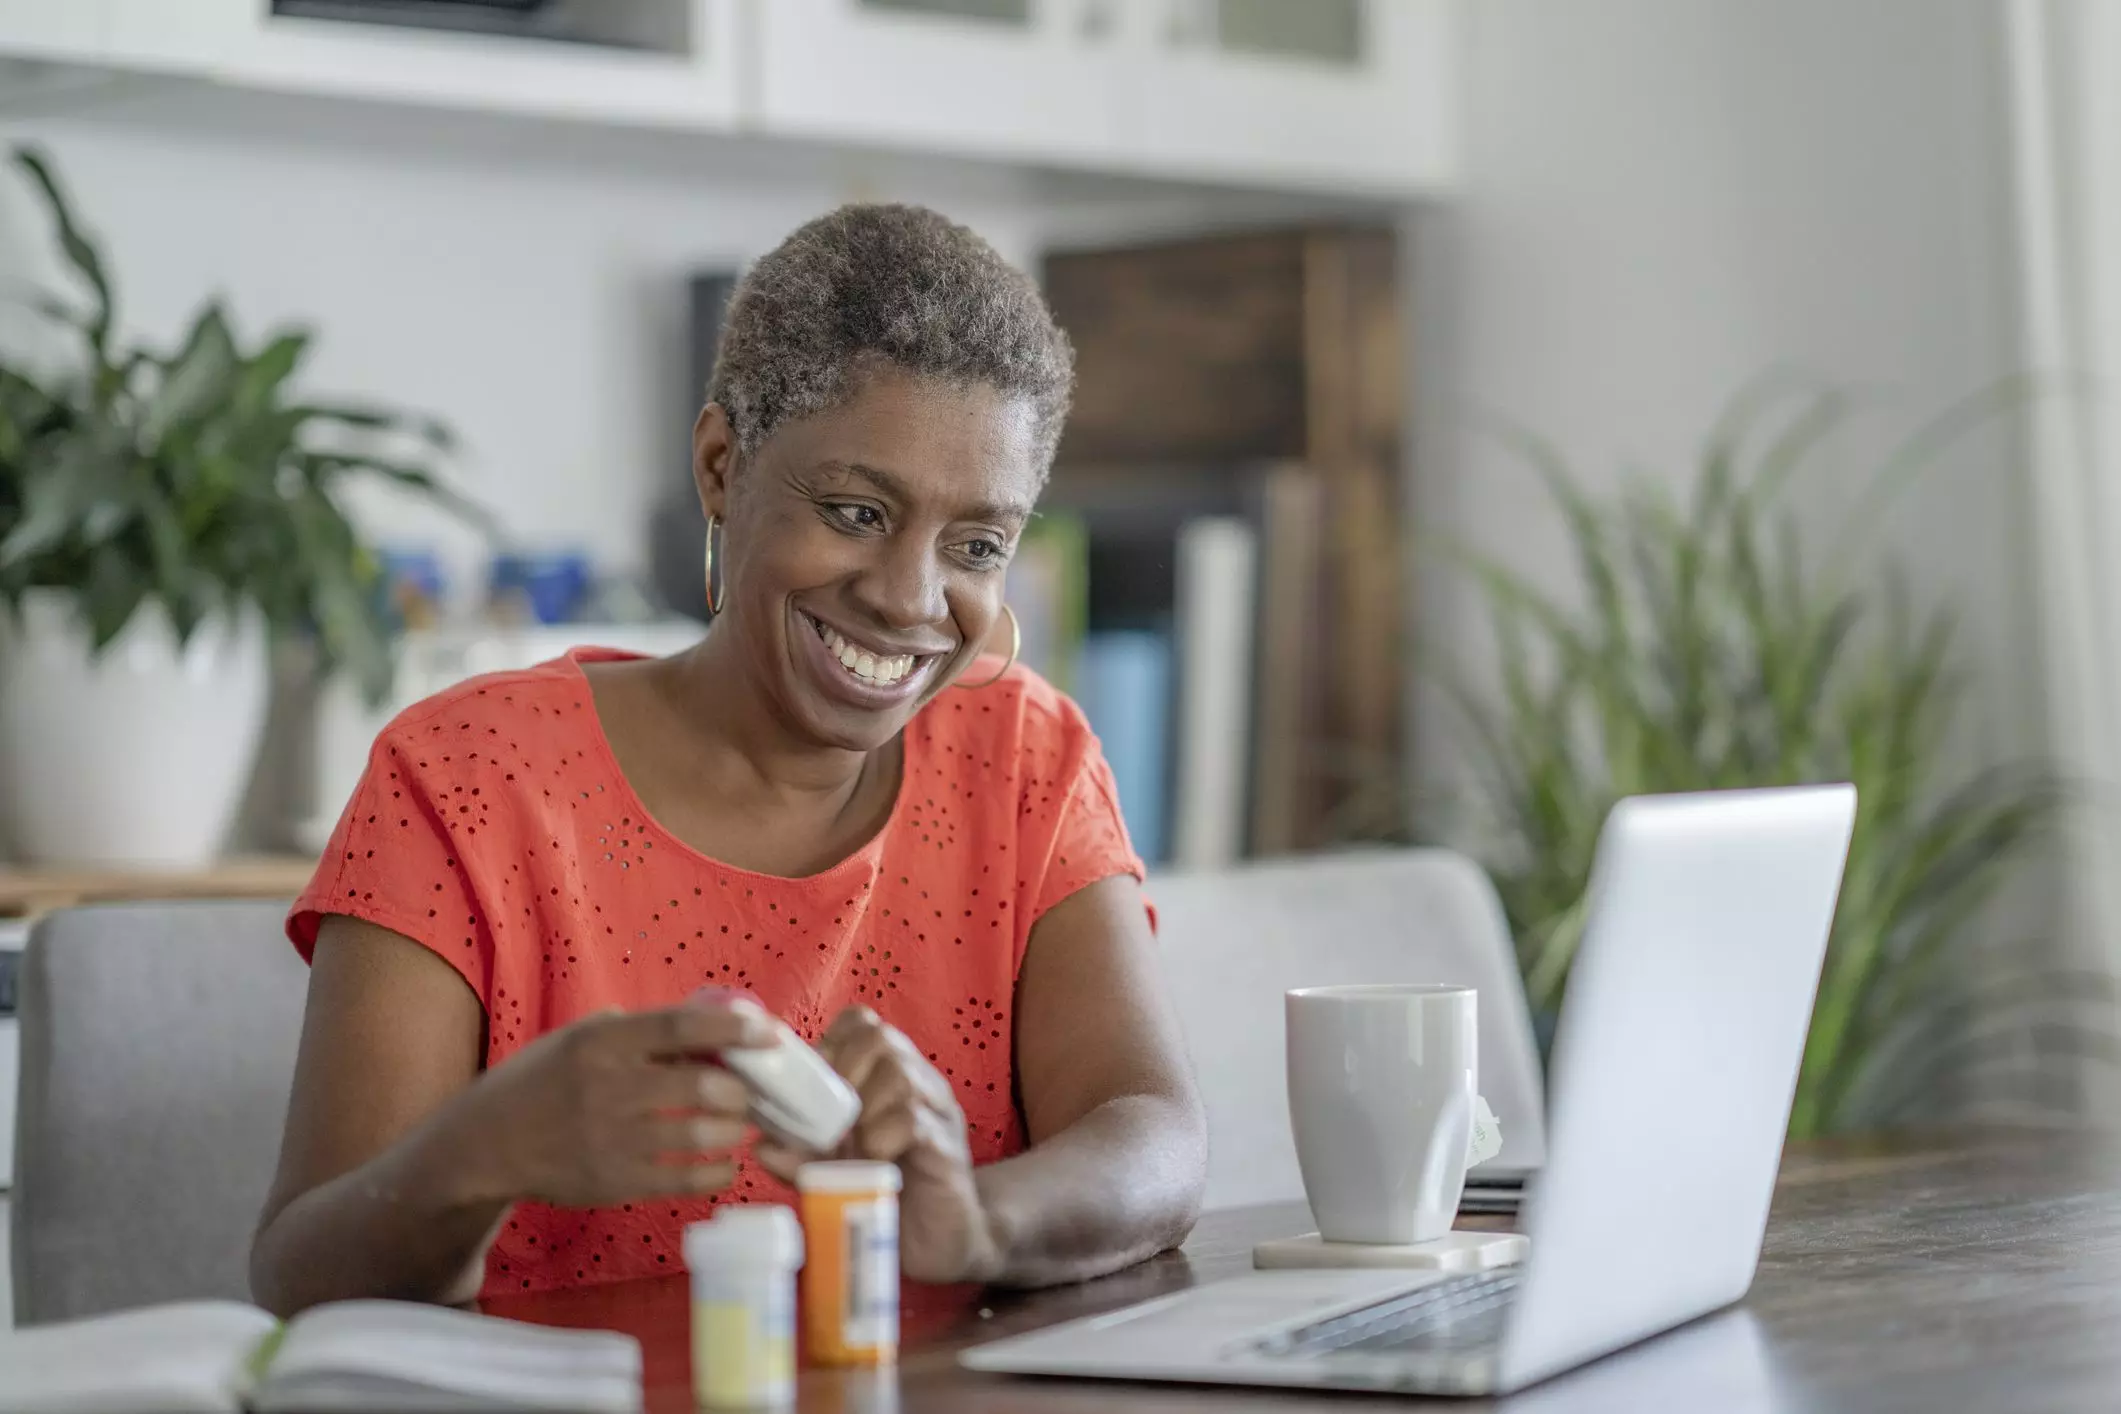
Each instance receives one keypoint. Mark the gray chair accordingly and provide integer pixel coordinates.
(158, 1046)
(1232, 942)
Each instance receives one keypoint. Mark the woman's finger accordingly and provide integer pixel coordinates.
(665, 1087)
(860, 1053)
(632, 1179)
(694, 1030)
(778, 1159)
(699, 1179)
(938, 1132)
(933, 1085)
(854, 1021)
(885, 1084)
(886, 1134)
(693, 1136)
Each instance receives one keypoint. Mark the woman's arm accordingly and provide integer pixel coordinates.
(401, 1158)
(1119, 1151)
(1118, 1154)
(377, 1192)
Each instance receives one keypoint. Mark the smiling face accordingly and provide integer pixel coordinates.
(863, 547)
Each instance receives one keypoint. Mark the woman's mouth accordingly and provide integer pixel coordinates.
(861, 662)
(872, 677)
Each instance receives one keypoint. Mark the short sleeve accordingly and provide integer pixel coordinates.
(393, 862)
(1090, 842)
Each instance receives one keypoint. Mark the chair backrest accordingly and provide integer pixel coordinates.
(1231, 943)
(158, 1047)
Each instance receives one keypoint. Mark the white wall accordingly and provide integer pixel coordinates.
(1666, 197)
(534, 295)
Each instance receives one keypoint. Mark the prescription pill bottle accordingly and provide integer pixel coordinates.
(850, 1283)
(743, 1263)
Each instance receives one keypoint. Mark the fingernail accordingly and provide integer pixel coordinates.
(728, 999)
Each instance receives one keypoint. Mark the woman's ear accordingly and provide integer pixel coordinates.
(713, 459)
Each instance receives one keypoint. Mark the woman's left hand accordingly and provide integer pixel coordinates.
(910, 1118)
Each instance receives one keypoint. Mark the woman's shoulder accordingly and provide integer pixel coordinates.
(548, 699)
(1021, 708)
(1017, 738)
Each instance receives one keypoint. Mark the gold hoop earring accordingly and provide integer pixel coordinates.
(714, 600)
(1016, 646)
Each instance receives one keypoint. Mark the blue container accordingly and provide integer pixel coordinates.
(1124, 686)
(552, 586)
(412, 586)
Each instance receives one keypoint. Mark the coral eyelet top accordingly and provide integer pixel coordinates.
(494, 827)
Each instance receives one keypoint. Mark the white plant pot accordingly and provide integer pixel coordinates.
(137, 758)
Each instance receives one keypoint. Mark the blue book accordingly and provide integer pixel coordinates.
(1123, 684)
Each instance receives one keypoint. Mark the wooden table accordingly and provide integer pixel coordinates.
(1977, 1271)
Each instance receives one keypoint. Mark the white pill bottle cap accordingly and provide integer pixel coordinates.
(745, 1235)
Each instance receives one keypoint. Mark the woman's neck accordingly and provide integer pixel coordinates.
(718, 768)
(746, 748)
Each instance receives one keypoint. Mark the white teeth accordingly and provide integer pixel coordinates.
(864, 664)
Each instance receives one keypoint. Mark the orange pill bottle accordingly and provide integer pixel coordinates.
(850, 1275)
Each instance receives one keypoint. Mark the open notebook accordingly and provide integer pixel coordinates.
(221, 1357)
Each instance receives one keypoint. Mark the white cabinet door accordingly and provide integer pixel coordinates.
(192, 36)
(51, 29)
(673, 62)
(1032, 80)
(1344, 94)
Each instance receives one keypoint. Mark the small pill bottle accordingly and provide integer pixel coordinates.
(743, 1262)
(850, 1283)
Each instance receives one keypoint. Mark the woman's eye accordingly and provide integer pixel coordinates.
(983, 551)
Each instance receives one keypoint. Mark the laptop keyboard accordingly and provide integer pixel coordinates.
(1459, 1314)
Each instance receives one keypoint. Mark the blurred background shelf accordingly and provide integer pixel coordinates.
(1234, 463)
(26, 892)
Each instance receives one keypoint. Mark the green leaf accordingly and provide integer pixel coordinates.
(264, 374)
(80, 251)
(113, 594)
(1700, 650)
(197, 479)
(204, 375)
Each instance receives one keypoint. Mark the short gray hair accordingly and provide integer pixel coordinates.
(899, 284)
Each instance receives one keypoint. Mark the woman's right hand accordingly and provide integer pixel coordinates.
(615, 1107)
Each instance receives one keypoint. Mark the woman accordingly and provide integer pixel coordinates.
(917, 861)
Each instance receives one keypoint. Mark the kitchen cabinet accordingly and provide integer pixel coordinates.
(1020, 80)
(681, 73)
(59, 30)
(1339, 97)
(1346, 94)
(1350, 95)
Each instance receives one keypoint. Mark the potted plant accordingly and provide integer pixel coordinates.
(164, 517)
(1706, 650)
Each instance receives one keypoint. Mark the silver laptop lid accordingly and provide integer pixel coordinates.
(1674, 1065)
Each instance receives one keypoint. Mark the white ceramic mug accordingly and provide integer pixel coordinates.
(1381, 1094)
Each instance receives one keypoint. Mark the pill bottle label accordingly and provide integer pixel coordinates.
(743, 1352)
(870, 1319)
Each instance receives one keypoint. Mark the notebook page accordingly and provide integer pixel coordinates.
(187, 1358)
(351, 1354)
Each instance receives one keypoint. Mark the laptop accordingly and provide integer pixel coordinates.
(1673, 1068)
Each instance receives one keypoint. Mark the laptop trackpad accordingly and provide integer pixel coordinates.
(1189, 1327)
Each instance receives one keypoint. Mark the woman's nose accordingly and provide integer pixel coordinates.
(905, 589)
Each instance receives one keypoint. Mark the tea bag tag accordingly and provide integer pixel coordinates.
(1487, 1133)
